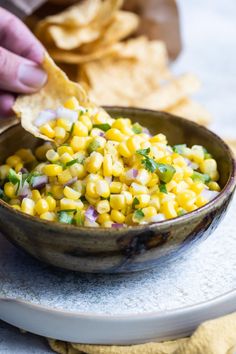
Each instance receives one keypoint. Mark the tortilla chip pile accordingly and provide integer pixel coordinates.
(89, 39)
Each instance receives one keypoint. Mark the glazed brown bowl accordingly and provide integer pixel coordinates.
(100, 250)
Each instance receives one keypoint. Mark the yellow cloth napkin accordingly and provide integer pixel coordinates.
(212, 337)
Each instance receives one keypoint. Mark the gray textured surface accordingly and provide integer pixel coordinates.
(209, 34)
(197, 276)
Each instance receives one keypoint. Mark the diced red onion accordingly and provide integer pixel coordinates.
(132, 173)
(209, 195)
(91, 214)
(45, 117)
(24, 191)
(101, 134)
(68, 114)
(23, 170)
(71, 181)
(157, 218)
(169, 149)
(117, 225)
(39, 182)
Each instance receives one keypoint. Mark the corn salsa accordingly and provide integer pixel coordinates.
(103, 172)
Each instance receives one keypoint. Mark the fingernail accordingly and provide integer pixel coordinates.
(31, 76)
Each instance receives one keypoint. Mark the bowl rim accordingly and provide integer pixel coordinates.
(229, 186)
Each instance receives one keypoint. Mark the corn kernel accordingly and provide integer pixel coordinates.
(72, 103)
(169, 210)
(60, 133)
(159, 138)
(103, 207)
(103, 217)
(4, 170)
(91, 190)
(186, 199)
(114, 134)
(107, 224)
(128, 197)
(214, 186)
(133, 144)
(64, 158)
(149, 212)
(67, 204)
(41, 206)
(65, 149)
(95, 162)
(27, 206)
(47, 130)
(136, 188)
(155, 202)
(86, 121)
(200, 201)
(80, 143)
(124, 150)
(64, 176)
(107, 165)
(143, 200)
(41, 151)
(48, 216)
(52, 170)
(26, 155)
(51, 203)
(35, 195)
(115, 187)
(57, 191)
(70, 193)
(209, 166)
(64, 123)
(117, 216)
(10, 190)
(117, 168)
(143, 177)
(77, 170)
(117, 201)
(80, 129)
(102, 188)
(13, 160)
(52, 155)
(197, 187)
(16, 207)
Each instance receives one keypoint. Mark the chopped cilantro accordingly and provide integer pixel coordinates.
(13, 177)
(135, 202)
(72, 162)
(105, 127)
(201, 177)
(149, 164)
(137, 129)
(181, 212)
(65, 217)
(143, 152)
(138, 214)
(79, 218)
(72, 129)
(162, 188)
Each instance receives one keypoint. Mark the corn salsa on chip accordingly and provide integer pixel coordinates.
(99, 171)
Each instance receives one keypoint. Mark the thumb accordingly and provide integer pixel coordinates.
(18, 74)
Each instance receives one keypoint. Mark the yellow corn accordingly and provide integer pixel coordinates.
(51, 203)
(117, 216)
(102, 218)
(169, 210)
(64, 123)
(67, 204)
(72, 103)
(16, 207)
(115, 187)
(35, 195)
(79, 143)
(102, 188)
(77, 170)
(91, 190)
(200, 201)
(124, 150)
(57, 191)
(9, 190)
(86, 121)
(114, 134)
(41, 206)
(52, 155)
(133, 144)
(186, 199)
(80, 129)
(149, 212)
(27, 206)
(41, 151)
(64, 176)
(117, 168)
(4, 170)
(128, 197)
(26, 155)
(209, 167)
(214, 186)
(13, 160)
(60, 133)
(136, 188)
(117, 201)
(143, 200)
(70, 193)
(103, 207)
(107, 165)
(52, 170)
(65, 149)
(48, 216)
(95, 162)
(47, 130)
(64, 158)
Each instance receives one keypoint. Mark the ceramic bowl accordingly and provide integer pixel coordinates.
(99, 250)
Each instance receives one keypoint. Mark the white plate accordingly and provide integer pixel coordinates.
(164, 303)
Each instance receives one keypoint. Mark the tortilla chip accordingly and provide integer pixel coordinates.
(132, 75)
(171, 93)
(191, 110)
(56, 91)
(123, 24)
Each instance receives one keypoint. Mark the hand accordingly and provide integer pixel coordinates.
(20, 57)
